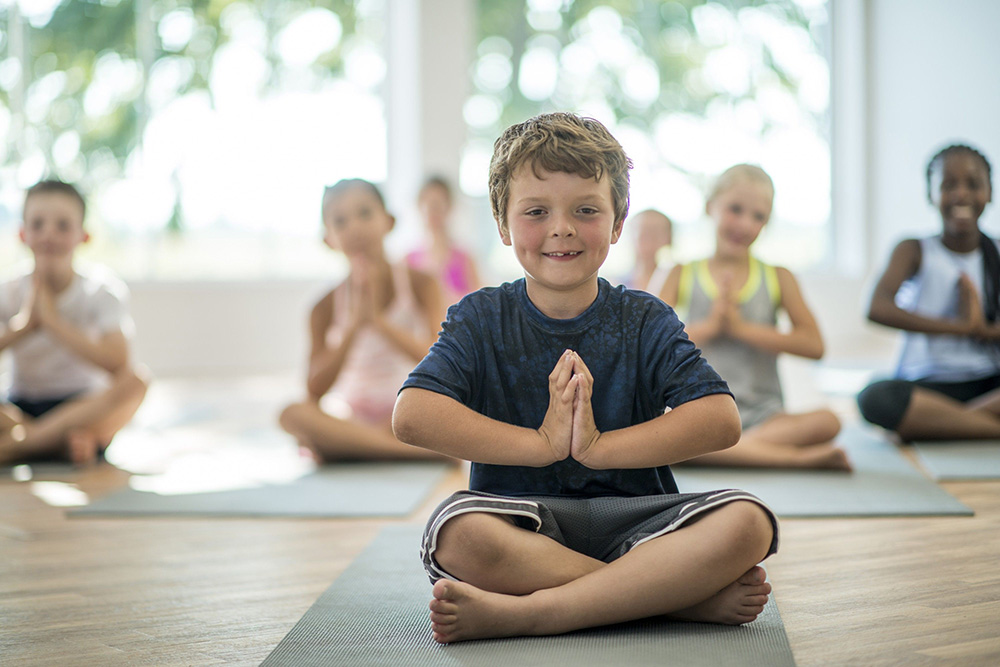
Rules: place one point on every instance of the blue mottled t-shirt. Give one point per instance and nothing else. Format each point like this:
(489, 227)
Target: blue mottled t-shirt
(495, 354)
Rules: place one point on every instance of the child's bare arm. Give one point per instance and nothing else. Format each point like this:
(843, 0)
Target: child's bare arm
(429, 299)
(704, 425)
(109, 351)
(804, 340)
(903, 264)
(437, 422)
(325, 361)
(19, 326)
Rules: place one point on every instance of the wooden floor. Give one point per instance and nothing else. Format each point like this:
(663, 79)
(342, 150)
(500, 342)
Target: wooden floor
(914, 591)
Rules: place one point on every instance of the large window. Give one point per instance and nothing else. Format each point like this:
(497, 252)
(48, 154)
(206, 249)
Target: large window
(690, 88)
(201, 131)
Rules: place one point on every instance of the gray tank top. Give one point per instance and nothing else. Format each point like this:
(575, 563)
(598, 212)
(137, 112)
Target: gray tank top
(752, 374)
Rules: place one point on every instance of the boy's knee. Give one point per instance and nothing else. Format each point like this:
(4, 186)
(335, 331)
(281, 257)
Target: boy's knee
(131, 382)
(751, 527)
(470, 543)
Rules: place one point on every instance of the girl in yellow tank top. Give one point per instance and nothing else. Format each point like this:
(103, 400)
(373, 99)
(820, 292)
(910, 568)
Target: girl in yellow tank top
(730, 303)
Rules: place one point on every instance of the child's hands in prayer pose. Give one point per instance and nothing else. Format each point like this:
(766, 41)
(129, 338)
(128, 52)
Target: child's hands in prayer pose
(568, 428)
(971, 312)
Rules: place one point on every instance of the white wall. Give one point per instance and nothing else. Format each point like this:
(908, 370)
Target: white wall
(934, 70)
(223, 327)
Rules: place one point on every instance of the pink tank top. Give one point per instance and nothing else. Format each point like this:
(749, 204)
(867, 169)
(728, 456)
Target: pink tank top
(375, 369)
(454, 276)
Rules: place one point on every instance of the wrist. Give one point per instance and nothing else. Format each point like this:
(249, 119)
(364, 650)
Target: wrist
(590, 456)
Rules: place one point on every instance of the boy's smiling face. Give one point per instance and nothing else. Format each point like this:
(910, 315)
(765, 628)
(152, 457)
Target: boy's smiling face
(561, 227)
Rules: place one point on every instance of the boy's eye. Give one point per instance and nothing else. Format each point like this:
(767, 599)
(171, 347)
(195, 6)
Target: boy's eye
(588, 210)
(535, 212)
(736, 208)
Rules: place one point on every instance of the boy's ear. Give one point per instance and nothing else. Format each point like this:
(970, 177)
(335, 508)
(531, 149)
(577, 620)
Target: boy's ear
(504, 234)
(20, 233)
(329, 240)
(86, 236)
(392, 220)
(616, 231)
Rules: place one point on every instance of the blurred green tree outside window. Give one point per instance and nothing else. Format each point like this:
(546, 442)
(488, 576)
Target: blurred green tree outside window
(201, 131)
(689, 87)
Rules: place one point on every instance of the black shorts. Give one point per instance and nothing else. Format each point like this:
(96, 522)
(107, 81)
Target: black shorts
(885, 402)
(38, 407)
(604, 528)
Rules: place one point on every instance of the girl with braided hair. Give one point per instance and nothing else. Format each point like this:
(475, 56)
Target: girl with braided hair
(942, 292)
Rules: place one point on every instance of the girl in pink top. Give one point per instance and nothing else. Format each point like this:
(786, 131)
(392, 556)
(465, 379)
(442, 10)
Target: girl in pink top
(454, 268)
(366, 335)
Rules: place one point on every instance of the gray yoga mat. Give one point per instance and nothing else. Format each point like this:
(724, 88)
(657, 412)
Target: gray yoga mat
(883, 483)
(376, 614)
(960, 459)
(342, 490)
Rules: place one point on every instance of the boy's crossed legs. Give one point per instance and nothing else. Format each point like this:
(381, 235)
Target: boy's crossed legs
(516, 582)
(82, 427)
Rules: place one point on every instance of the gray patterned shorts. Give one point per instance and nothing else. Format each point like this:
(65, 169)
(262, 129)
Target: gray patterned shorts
(604, 528)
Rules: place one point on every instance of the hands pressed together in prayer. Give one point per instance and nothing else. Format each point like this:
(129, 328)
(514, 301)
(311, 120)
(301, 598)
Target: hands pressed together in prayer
(568, 428)
(970, 311)
(725, 318)
(39, 309)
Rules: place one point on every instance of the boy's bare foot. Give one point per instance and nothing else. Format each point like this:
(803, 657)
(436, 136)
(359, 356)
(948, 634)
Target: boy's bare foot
(827, 457)
(738, 603)
(82, 447)
(460, 611)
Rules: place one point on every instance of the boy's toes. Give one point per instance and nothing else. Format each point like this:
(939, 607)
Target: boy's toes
(754, 576)
(443, 619)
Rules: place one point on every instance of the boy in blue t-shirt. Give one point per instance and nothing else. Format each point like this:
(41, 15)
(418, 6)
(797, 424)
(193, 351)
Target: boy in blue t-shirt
(572, 398)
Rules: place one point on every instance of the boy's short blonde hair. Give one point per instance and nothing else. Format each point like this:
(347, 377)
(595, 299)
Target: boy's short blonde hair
(745, 172)
(562, 142)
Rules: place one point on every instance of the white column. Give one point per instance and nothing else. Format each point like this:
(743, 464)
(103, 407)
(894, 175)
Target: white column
(849, 146)
(429, 50)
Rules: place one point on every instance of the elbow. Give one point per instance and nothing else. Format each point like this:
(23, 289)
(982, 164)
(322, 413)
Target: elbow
(314, 387)
(404, 425)
(816, 351)
(729, 427)
(732, 432)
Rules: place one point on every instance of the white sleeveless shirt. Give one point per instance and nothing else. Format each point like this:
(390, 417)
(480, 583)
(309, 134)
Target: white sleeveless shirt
(934, 293)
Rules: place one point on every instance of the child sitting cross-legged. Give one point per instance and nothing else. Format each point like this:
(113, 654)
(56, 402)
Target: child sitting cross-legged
(67, 329)
(555, 387)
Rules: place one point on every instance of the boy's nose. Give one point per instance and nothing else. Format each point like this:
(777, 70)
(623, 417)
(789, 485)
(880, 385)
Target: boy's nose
(562, 226)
